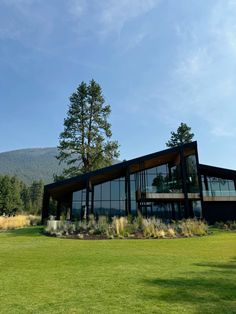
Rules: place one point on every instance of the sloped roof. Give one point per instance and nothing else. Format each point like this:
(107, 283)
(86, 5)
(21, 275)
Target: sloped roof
(119, 169)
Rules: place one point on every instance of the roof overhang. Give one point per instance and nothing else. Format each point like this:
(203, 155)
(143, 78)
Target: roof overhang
(217, 172)
(64, 187)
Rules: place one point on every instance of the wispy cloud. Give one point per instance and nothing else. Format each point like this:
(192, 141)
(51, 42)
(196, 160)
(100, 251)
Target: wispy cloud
(77, 8)
(106, 17)
(202, 82)
(115, 14)
(221, 132)
(22, 19)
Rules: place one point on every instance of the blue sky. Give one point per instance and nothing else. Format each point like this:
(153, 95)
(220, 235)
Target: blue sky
(159, 62)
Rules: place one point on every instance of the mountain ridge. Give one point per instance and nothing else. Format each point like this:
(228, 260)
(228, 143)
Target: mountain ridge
(30, 164)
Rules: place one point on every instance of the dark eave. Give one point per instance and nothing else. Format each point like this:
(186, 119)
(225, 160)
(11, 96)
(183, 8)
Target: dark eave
(217, 172)
(119, 169)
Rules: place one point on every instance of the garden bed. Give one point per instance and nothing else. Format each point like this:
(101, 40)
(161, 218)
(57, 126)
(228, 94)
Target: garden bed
(125, 228)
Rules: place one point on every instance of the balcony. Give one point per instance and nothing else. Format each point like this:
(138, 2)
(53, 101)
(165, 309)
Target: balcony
(152, 193)
(219, 196)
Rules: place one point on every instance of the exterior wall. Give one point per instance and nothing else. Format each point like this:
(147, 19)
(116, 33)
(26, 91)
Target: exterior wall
(218, 187)
(219, 211)
(219, 199)
(142, 192)
(169, 185)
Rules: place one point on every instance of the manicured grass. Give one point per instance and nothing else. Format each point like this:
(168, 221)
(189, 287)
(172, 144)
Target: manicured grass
(39, 274)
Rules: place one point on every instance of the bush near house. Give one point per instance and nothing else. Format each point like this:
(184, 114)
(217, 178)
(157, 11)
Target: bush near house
(228, 225)
(126, 227)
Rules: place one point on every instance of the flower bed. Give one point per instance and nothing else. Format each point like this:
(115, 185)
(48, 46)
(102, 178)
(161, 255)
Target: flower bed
(126, 227)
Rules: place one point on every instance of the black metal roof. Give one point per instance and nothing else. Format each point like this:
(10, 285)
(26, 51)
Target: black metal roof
(119, 167)
(217, 172)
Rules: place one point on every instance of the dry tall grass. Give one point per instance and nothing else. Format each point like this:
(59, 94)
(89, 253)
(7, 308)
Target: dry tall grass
(19, 221)
(119, 224)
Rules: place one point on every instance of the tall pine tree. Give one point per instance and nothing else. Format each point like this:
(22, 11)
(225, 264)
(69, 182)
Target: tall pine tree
(182, 136)
(85, 144)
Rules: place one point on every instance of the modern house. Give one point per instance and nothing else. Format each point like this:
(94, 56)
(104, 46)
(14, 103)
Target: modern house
(170, 184)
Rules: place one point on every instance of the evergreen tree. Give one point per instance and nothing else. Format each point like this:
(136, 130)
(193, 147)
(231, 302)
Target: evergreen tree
(16, 196)
(10, 200)
(36, 196)
(182, 136)
(26, 198)
(85, 144)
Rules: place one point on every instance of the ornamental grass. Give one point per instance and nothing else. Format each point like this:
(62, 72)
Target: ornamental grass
(127, 227)
(18, 221)
(14, 222)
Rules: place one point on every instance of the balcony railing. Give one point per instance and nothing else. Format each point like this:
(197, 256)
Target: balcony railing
(219, 193)
(166, 189)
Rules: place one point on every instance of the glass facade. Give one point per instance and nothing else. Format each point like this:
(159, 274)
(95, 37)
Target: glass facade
(192, 175)
(109, 198)
(124, 196)
(197, 209)
(156, 209)
(78, 204)
(163, 210)
(169, 185)
(213, 186)
(133, 188)
(162, 179)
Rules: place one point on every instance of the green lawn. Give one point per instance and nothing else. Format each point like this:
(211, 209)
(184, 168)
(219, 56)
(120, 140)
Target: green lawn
(48, 275)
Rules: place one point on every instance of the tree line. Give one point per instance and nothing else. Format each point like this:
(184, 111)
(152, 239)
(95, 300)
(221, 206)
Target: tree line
(17, 197)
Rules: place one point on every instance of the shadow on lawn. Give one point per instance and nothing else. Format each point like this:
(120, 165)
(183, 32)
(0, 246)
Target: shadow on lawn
(220, 266)
(209, 291)
(26, 232)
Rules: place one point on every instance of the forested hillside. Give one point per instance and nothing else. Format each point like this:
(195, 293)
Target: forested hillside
(31, 164)
(17, 197)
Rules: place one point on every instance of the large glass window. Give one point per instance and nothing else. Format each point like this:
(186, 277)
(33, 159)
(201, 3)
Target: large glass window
(106, 191)
(162, 183)
(218, 187)
(176, 182)
(97, 192)
(197, 209)
(163, 179)
(158, 209)
(78, 204)
(115, 190)
(109, 198)
(192, 177)
(133, 193)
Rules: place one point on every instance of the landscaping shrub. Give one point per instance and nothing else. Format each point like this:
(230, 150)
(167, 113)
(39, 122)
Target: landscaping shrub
(103, 226)
(192, 227)
(171, 233)
(119, 225)
(228, 225)
(61, 227)
(154, 228)
(34, 220)
(126, 227)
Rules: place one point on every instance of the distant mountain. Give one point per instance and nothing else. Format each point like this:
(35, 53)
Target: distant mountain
(31, 164)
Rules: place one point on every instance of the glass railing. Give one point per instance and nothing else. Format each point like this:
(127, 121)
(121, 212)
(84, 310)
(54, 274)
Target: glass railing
(220, 193)
(165, 189)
